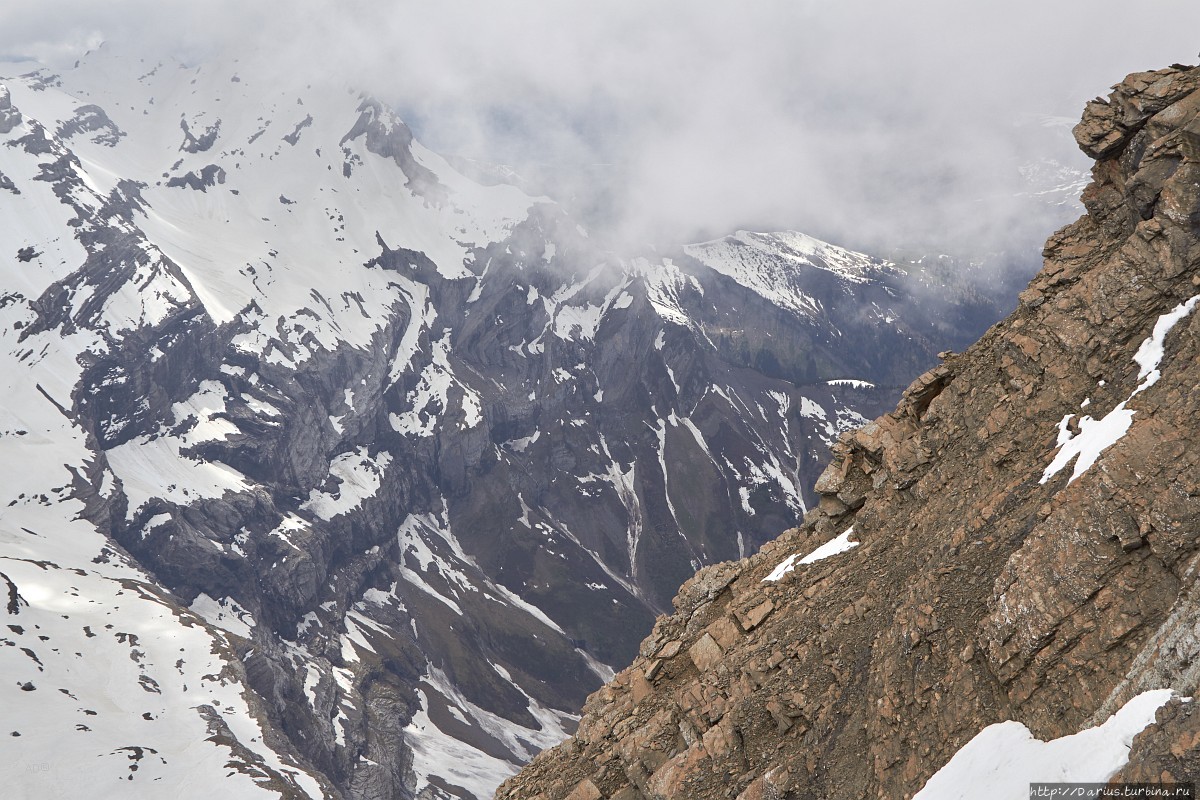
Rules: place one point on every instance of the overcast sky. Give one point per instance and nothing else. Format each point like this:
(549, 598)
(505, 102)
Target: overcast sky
(874, 123)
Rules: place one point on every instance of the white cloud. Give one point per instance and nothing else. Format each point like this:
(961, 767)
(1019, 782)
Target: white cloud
(868, 122)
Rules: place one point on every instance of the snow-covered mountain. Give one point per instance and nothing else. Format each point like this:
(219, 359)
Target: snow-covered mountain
(330, 472)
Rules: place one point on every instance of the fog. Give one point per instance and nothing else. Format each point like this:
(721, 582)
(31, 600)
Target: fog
(875, 124)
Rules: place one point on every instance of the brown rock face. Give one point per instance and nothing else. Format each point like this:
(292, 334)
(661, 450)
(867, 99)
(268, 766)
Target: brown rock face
(983, 588)
(1167, 751)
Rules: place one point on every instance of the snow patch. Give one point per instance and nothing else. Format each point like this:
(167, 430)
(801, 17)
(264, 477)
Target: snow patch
(831, 548)
(1003, 759)
(430, 400)
(359, 476)
(225, 614)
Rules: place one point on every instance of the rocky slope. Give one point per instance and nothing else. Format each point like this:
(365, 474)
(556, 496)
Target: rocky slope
(1015, 545)
(400, 461)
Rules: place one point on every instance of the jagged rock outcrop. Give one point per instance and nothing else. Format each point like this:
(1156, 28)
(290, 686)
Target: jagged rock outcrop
(9, 116)
(1026, 528)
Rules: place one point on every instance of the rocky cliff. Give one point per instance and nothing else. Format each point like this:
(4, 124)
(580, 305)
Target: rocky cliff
(1016, 544)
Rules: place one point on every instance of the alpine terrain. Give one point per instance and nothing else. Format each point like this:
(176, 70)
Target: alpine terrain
(329, 472)
(998, 585)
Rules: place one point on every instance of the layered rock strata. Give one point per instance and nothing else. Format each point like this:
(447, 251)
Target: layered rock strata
(1026, 528)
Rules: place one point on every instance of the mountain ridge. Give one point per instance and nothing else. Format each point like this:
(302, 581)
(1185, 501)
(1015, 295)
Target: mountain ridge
(959, 579)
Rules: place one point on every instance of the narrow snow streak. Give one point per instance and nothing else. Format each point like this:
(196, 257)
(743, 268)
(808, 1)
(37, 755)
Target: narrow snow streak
(831, 548)
(1097, 435)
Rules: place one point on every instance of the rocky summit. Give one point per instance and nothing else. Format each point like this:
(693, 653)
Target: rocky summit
(998, 584)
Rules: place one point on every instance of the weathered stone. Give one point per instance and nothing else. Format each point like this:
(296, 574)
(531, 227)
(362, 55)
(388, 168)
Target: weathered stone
(724, 632)
(722, 739)
(753, 617)
(705, 652)
(769, 786)
(669, 650)
(831, 479)
(668, 780)
(585, 790)
(640, 687)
